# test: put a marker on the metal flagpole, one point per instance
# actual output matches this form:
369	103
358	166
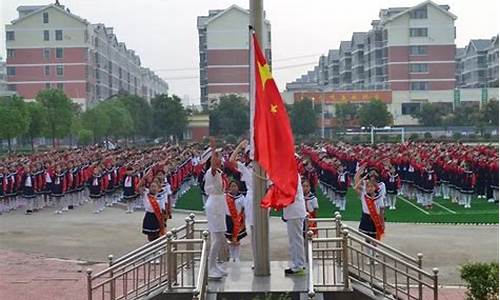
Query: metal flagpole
260	230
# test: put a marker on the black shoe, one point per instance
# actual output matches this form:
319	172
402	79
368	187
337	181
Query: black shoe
292	272
70	206
28	212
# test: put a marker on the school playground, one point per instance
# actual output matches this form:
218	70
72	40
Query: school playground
407	211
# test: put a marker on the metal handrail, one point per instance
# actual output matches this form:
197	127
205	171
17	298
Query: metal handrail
310	287
199	290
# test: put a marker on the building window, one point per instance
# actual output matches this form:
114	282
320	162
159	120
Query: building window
420	13
419	68
47	70
46	53
418	32
418	50
60	86
410	108
45	17
59	35
59	53
10	36
419	86
11	53
11	87
47	85
11	71
46	35
60	70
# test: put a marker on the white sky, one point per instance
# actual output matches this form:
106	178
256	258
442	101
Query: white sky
164	33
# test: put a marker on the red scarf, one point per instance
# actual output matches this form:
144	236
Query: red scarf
157	212
238	219
370	203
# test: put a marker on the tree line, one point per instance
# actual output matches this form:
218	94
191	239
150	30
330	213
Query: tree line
53	115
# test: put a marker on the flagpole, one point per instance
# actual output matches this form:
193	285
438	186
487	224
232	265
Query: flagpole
260	230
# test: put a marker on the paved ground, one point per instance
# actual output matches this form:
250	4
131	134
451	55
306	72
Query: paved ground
82	236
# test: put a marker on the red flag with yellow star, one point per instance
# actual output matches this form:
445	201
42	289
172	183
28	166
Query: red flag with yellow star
274	147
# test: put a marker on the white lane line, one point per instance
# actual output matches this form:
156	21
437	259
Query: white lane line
445	208
409	202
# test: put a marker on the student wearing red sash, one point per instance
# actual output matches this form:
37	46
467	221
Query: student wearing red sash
311	205
372	218
153	224
235	220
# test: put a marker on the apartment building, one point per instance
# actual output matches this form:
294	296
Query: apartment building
345	65
492	72
478	64
358	60
224	53
50	47
3	78
333	69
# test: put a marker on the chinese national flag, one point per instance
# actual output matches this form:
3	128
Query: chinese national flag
273	141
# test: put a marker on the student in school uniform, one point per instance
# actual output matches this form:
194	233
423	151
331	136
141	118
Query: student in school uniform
311	205
28	189
130	189
3	184
235	220
59	186
468	185
153	224
48	173
392	185
428	182
215	212
343	184
96	185
294	215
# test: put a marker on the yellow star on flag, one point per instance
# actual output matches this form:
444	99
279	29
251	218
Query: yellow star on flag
274	108
265	74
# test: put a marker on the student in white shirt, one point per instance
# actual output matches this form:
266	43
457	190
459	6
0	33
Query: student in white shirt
215	209
294	216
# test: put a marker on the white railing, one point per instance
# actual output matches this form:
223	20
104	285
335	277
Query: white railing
338	254
174	262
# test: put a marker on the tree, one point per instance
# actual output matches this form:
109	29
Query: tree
59	113
230	116
431	114
96	121
37	115
13	118
121	123
345	112
140	112
85	137
169	116
374	113
303	117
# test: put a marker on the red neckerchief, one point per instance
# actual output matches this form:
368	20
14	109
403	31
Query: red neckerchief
370	204
237	218
157	212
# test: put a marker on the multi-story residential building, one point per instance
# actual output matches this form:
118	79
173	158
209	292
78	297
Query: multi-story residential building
345	65
375	51
224	53
475	64
459	66
50	47
323	71
333	69
358	60
492	72
3	77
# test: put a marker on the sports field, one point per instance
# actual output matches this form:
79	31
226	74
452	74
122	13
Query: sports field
407	210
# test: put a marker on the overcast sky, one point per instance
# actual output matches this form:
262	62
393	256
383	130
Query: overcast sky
164	34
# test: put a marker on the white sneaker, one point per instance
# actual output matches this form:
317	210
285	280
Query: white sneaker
214	275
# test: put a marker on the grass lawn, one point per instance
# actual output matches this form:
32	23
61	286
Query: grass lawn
407	211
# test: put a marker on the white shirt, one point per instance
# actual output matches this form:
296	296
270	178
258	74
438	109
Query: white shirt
379	200
214	188
247	177
47	177
296	210
28	181
147	205
312	203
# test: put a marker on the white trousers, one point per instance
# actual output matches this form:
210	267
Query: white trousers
296	243
217	241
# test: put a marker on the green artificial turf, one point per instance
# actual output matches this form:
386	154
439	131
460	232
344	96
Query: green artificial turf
443	211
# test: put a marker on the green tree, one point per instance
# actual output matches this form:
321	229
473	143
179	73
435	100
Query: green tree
374	113
14	118
345	112
141	114
59	113
37	115
121	123
230	116
85	137
97	121
303	117
169	116
432	114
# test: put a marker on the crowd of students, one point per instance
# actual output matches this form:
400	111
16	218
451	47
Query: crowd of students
420	171
63	180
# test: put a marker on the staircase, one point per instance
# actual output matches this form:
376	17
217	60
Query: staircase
342	264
